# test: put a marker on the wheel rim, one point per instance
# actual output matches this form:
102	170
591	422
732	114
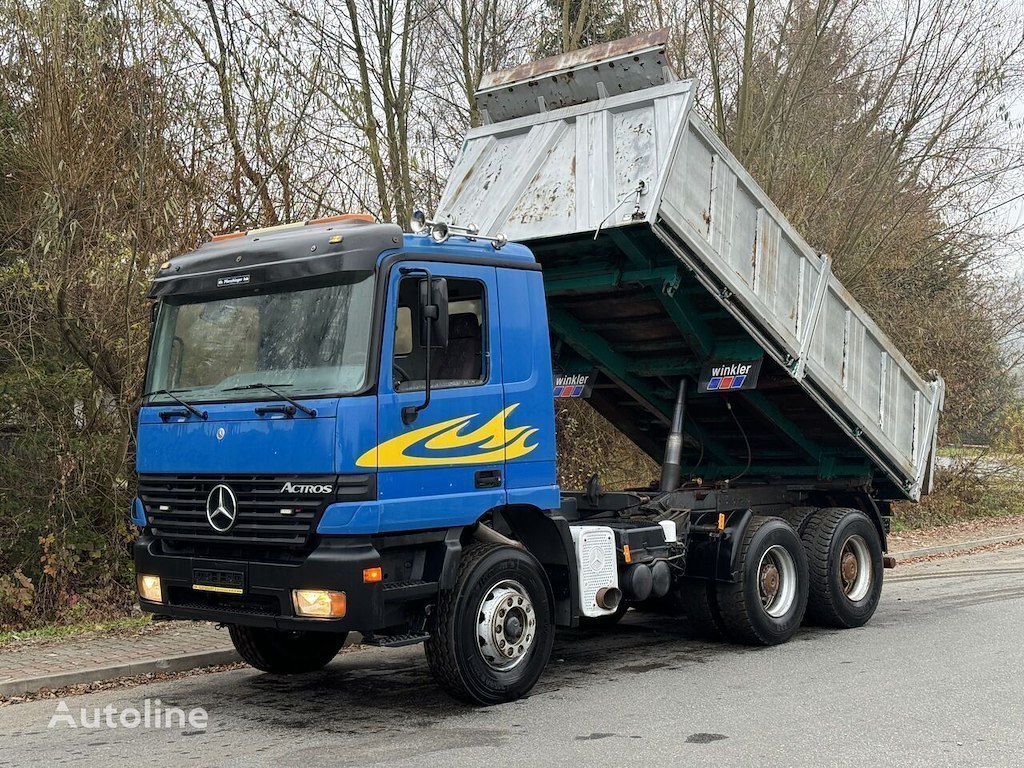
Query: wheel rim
506	625
776	581
855	568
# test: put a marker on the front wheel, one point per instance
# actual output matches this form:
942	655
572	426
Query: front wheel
491	635
286	653
766	604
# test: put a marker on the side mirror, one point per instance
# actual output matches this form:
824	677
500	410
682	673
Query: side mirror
434	311
433	332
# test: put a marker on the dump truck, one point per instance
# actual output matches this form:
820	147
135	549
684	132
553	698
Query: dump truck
348	428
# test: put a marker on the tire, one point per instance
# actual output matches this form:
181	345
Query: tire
465	644
766	605
832	538
286	653
697	597
799	517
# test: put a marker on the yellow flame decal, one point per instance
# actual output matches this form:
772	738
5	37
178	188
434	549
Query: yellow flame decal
494	441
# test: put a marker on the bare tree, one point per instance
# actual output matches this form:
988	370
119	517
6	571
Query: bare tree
484	37
374	49
264	102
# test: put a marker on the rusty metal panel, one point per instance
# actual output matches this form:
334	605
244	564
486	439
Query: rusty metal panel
570	170
610	69
578	169
784	292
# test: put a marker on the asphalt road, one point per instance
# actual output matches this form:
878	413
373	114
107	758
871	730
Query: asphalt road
936	679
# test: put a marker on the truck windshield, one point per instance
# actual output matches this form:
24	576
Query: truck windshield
313	341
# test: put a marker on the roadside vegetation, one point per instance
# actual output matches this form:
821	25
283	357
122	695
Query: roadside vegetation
961	496
20	638
132	129
976	481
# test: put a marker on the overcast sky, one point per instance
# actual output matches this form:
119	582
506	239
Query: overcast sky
1013	213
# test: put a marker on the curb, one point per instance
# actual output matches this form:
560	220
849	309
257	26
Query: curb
963	546
180	663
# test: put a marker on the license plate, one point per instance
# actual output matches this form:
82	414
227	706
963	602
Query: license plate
226	582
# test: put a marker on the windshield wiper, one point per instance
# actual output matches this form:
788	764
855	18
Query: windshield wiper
190	409
295	404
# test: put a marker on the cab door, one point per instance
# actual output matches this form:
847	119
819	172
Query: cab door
447	467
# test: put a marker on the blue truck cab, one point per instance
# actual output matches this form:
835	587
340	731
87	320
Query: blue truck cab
299	433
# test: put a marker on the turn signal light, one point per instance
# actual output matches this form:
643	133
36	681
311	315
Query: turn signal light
373	575
149	588
319	603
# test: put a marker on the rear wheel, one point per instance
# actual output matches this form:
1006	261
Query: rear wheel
491	635
844	553
697	597
286	653
799	517
766	605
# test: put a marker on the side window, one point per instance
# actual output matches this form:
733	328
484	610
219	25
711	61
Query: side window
462	363
403	332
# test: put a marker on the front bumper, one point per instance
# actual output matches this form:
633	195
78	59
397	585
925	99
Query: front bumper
266	599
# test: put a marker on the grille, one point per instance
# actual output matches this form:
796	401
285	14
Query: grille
176	508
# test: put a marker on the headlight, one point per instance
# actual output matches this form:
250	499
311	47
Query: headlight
319	603
149	588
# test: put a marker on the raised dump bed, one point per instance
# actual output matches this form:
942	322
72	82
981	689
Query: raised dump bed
664	260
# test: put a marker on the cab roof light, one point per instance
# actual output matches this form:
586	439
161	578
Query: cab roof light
343	217
277	227
323	220
229	236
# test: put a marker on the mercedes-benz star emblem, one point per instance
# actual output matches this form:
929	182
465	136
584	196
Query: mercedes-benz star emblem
221	508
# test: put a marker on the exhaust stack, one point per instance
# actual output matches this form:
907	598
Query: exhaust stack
672	465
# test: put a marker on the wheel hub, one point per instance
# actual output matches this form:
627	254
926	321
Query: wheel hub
776	581
855	568
506	625
848	568
514	625
770	581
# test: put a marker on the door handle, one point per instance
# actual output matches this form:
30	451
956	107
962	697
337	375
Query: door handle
488	478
